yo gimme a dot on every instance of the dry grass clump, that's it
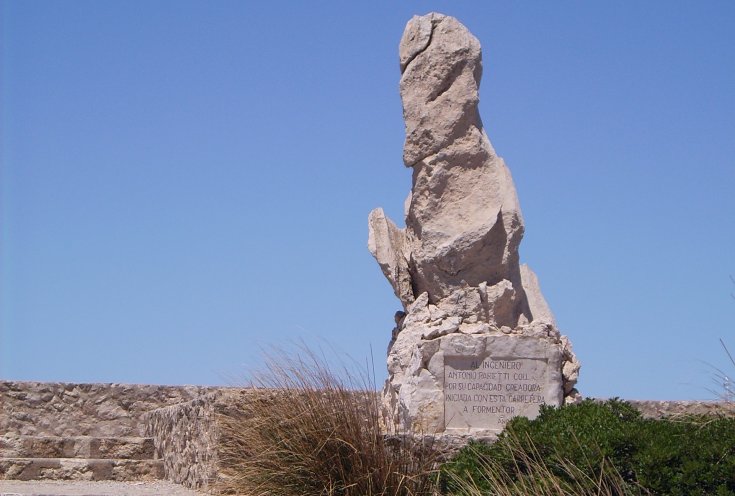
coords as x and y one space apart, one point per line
726 380
309 431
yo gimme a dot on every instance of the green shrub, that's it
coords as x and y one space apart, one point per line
685 456
518 469
694 457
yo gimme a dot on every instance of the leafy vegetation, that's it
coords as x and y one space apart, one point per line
591 447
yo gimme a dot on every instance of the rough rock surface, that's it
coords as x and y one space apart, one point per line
672 409
455 266
80 469
102 410
188 437
97 488
463 222
128 448
185 437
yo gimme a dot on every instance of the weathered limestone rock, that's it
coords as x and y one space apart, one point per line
386 242
537 305
455 267
464 222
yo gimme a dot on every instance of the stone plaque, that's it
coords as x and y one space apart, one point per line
486 393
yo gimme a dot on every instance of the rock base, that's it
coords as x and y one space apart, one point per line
461 384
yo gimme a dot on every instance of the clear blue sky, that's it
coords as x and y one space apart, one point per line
184 182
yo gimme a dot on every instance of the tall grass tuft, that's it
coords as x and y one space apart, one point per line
310 431
726 381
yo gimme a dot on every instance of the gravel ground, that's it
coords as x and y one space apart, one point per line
99 488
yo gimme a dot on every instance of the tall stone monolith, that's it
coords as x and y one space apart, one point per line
476 342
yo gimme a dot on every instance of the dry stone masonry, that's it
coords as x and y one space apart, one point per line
180 439
88 432
476 342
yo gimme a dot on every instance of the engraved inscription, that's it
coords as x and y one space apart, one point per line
486 392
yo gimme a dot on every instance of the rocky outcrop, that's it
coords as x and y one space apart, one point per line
455 266
463 222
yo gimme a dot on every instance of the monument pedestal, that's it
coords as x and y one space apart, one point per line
463 384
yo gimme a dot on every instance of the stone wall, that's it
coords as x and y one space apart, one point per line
101 410
660 409
185 438
182 420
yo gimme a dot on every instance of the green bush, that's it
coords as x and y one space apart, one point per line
683 456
